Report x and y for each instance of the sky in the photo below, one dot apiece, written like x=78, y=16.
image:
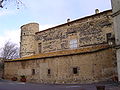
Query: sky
x=47, y=13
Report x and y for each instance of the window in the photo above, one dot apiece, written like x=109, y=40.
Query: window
x=108, y=36
x=33, y=71
x=75, y=70
x=49, y=71
x=22, y=33
x=39, y=47
x=73, y=43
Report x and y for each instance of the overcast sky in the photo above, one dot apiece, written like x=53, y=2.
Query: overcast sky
x=47, y=13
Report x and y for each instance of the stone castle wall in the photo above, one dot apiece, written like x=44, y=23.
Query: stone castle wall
x=28, y=43
x=70, y=66
x=84, y=32
x=91, y=67
x=76, y=34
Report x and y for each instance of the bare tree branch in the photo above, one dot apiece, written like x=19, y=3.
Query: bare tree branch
x=10, y=51
x=1, y=1
x=18, y=3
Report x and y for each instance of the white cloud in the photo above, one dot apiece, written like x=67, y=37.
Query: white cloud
x=14, y=35
x=61, y=8
x=10, y=35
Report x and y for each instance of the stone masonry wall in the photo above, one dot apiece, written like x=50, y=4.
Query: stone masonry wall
x=85, y=32
x=91, y=67
x=116, y=19
x=28, y=43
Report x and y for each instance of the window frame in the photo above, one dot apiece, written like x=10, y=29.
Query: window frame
x=75, y=70
x=73, y=44
x=33, y=72
x=40, y=47
x=49, y=71
x=108, y=36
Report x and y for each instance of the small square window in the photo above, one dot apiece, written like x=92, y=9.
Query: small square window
x=75, y=70
x=33, y=71
x=108, y=35
x=49, y=71
x=39, y=47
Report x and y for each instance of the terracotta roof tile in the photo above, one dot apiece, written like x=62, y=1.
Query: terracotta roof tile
x=66, y=52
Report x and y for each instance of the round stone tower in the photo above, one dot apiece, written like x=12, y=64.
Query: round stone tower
x=27, y=42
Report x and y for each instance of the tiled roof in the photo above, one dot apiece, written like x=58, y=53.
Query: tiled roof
x=64, y=53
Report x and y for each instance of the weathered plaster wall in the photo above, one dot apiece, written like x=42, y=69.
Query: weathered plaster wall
x=87, y=31
x=116, y=18
x=92, y=67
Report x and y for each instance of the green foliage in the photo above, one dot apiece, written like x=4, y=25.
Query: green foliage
x=22, y=76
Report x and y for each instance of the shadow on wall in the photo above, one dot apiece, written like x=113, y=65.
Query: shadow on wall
x=1, y=69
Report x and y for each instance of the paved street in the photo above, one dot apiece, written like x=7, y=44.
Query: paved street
x=8, y=85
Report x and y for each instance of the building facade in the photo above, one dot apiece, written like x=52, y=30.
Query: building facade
x=76, y=66
x=79, y=51
x=116, y=18
x=87, y=31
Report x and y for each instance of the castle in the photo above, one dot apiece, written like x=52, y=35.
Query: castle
x=79, y=51
x=80, y=33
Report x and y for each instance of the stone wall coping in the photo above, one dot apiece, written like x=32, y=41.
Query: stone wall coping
x=25, y=25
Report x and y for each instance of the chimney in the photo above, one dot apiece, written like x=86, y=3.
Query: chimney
x=96, y=11
x=68, y=20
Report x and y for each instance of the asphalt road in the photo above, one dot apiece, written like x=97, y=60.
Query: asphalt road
x=9, y=85
x=28, y=86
